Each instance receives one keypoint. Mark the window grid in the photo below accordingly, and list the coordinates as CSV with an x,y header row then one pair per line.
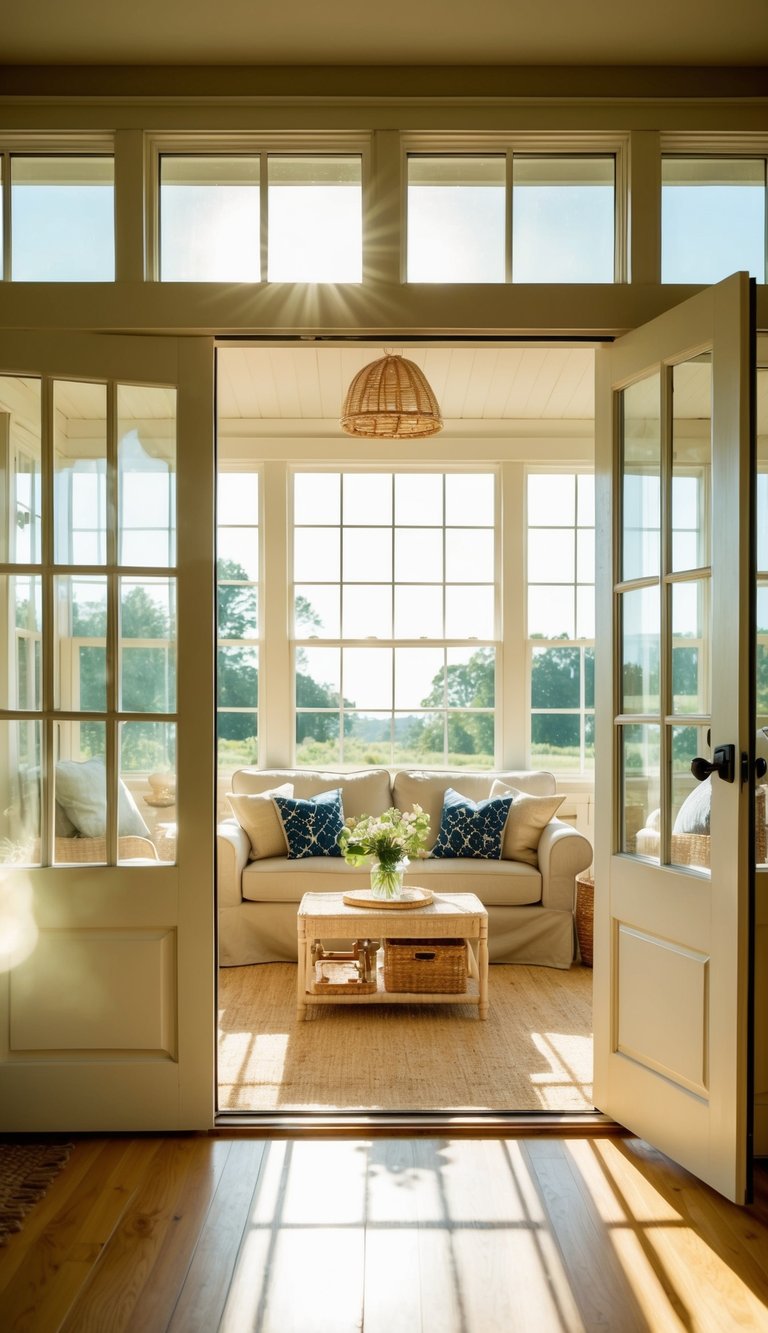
x,y
438,723
62,725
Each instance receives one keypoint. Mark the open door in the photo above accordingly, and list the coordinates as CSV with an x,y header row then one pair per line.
x,y
107,752
676,784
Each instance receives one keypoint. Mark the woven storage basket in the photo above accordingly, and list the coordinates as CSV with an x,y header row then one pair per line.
x,y
438,966
585,914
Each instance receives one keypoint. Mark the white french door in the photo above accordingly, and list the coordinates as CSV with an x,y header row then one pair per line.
x,y
107,961
674,853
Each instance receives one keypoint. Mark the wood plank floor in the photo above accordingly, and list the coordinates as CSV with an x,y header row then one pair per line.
x,y
230,1233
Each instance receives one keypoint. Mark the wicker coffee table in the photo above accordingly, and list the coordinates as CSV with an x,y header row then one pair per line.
x,y
325,916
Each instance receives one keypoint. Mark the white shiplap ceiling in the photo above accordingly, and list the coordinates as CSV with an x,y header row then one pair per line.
x,y
307,382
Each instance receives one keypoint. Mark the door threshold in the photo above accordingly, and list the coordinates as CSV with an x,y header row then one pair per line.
x,y
409,1124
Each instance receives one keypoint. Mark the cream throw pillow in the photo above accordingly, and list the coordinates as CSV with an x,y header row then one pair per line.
x,y
528,816
256,813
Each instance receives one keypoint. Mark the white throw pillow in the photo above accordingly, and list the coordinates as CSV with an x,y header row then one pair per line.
x,y
256,813
81,791
528,817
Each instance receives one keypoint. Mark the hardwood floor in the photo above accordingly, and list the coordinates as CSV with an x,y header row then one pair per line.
x,y
198,1234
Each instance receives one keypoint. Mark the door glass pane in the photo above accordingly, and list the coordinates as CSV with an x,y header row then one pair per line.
x,y
148,645
20,801
690,647
456,219
147,475
22,601
80,792
690,800
641,460
641,631
315,219
80,660
691,462
80,473
209,219
147,789
640,814
20,444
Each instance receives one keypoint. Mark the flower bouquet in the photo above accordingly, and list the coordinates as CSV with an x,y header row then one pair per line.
x,y
387,841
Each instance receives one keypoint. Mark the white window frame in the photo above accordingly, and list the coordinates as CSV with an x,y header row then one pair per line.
x,y
247,145
87,144
510,145
704,146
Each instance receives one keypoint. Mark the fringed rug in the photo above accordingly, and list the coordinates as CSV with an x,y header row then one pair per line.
x,y
534,1053
26,1171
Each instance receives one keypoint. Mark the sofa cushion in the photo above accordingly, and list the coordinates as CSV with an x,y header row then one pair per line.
x,y
363,792
420,787
81,791
471,829
311,827
694,814
528,817
496,883
257,815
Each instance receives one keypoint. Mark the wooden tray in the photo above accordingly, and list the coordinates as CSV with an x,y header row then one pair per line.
x,y
413,897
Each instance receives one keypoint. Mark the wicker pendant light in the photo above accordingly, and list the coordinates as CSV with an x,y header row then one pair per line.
x,y
391,399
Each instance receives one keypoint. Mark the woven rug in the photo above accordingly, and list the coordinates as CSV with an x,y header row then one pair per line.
x,y
26,1171
533,1053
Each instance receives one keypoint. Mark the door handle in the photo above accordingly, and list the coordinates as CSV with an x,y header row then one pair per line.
x,y
723,763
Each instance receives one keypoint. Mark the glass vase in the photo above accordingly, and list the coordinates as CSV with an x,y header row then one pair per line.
x,y
387,878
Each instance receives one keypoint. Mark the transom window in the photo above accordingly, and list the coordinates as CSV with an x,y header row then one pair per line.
x,y
562,210
713,218
394,607
241,217
62,217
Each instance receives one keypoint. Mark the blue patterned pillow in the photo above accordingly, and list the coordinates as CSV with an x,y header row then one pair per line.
x,y
311,827
472,829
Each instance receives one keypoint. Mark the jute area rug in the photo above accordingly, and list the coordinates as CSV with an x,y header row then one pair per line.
x,y
533,1053
26,1171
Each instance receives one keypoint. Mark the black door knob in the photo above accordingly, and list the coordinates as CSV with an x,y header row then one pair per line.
x,y
723,763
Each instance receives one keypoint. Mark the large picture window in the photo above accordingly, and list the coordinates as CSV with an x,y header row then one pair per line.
x,y
395,621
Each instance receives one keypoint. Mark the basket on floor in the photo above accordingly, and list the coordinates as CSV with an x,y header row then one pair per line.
x,y
425,966
585,914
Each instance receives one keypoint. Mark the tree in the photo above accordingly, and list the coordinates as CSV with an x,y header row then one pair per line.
x,y
462,685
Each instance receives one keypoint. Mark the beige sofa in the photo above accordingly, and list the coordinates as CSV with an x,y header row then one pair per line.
x,y
530,906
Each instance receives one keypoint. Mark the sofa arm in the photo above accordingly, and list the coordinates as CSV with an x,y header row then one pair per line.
x,y
232,851
563,853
